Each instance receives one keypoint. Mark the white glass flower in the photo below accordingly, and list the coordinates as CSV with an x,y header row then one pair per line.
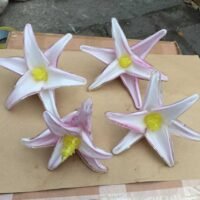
x,y
155,122
69,135
39,72
125,62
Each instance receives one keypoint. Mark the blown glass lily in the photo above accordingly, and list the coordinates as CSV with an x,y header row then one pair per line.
x,y
155,122
39,72
69,135
125,62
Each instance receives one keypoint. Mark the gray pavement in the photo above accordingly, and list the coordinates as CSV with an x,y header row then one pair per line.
x,y
138,18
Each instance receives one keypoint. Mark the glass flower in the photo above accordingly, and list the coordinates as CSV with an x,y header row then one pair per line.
x,y
39,72
69,135
125,62
155,122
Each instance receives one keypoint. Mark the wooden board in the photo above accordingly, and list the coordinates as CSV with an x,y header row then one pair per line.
x,y
148,190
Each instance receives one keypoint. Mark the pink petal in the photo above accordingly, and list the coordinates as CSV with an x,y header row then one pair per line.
x,y
143,47
153,95
93,164
48,99
121,43
133,87
15,64
56,125
162,144
85,116
181,130
87,148
80,120
58,78
33,55
72,120
105,55
140,72
142,69
25,87
133,121
130,139
55,50
56,158
173,111
45,139
110,73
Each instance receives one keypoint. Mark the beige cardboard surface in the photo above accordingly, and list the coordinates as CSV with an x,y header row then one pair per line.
x,y
23,169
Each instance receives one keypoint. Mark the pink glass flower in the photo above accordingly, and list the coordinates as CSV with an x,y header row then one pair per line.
x,y
69,135
125,62
155,122
39,72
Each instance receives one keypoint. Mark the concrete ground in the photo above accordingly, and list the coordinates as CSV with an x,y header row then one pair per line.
x,y
138,18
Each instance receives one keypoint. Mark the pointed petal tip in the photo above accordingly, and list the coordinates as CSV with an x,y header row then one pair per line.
x,y
114,20
197,96
69,35
138,105
25,142
108,114
8,104
116,151
50,168
164,31
103,171
88,102
28,25
194,98
171,164
83,47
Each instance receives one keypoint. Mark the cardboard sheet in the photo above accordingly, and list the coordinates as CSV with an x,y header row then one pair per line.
x,y
23,170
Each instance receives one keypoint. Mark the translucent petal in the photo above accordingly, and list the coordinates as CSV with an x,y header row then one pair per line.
x,y
48,99
130,139
153,95
56,158
133,121
110,73
25,87
33,55
87,148
173,111
44,139
121,43
179,129
133,87
56,49
93,163
58,78
143,47
105,55
14,64
162,144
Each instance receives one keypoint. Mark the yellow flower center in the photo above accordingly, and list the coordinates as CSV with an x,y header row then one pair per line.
x,y
153,121
70,144
40,73
125,61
